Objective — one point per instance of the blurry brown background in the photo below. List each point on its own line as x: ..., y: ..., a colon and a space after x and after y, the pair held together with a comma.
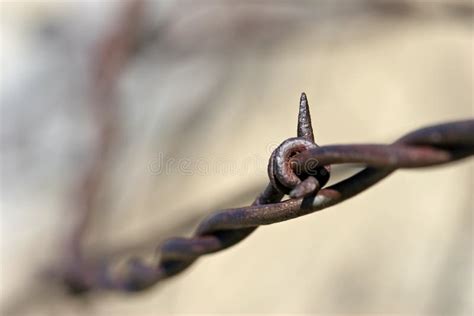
x: 97, y: 96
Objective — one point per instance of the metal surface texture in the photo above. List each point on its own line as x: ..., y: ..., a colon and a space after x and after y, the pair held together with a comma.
x: 298, y: 168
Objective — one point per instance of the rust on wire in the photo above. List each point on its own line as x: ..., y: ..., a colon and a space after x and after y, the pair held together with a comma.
x: 298, y: 168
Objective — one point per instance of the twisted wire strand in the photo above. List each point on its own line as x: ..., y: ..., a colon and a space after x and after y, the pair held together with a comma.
x: 430, y: 146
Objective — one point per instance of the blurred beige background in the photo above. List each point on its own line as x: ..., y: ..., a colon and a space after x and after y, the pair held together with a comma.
x: 219, y: 82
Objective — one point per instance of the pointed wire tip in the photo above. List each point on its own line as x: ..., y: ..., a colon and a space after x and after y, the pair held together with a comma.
x: 303, y: 97
x: 304, y: 129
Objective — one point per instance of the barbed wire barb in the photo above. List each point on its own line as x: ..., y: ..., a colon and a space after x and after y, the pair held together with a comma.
x: 298, y: 168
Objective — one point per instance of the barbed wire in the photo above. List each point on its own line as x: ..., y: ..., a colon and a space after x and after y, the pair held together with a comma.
x: 298, y: 168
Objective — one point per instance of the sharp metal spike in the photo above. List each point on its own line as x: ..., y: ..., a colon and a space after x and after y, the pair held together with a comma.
x: 305, y: 128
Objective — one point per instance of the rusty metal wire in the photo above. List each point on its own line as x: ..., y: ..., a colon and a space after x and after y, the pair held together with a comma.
x: 298, y: 168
